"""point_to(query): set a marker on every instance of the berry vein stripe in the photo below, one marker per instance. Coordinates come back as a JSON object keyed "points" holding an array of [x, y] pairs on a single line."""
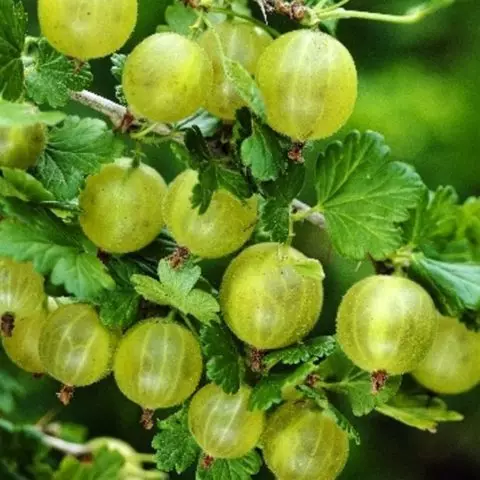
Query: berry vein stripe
{"points": [[116, 112]]}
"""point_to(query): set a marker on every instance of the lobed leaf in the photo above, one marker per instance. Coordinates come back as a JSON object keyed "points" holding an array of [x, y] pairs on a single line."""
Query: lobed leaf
{"points": [[230, 469], [20, 184]]}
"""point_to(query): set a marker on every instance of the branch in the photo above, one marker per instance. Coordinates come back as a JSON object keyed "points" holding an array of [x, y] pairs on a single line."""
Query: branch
{"points": [[116, 114]]}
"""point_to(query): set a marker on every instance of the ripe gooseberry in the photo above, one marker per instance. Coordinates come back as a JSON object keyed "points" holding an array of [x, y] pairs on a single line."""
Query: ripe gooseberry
{"points": [[122, 206], [386, 324], [158, 364], [300, 441], [267, 298], [87, 29], [222, 424], [22, 346], [167, 77], [222, 229], [241, 42], [75, 348], [453, 363], [20, 146], [309, 83]]}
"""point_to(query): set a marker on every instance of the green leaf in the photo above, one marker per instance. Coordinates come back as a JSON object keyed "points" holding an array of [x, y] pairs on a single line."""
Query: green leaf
{"points": [[54, 76], [22, 453], [175, 447], [364, 196], [106, 465], [35, 234], [245, 86], [206, 122], [20, 184], [179, 18], [340, 375], [76, 149], [311, 349], [330, 410], [262, 152], [224, 365], [419, 411], [468, 226], [118, 63], [13, 26], [22, 114], [454, 286], [276, 387], [10, 391], [242, 468], [176, 290]]}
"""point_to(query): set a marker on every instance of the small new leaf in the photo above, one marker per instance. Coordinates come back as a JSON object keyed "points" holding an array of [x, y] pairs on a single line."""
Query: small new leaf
{"points": [[20, 184], [175, 289], [179, 18], [13, 26], [276, 387], [118, 63], [34, 234], [224, 365], [364, 195], [54, 76], [454, 286], [106, 465], [242, 468], [419, 411], [175, 447], [340, 375], [322, 401], [311, 349]]}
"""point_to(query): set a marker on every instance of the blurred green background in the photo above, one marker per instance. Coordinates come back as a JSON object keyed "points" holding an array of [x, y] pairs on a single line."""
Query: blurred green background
{"points": [[419, 87]]}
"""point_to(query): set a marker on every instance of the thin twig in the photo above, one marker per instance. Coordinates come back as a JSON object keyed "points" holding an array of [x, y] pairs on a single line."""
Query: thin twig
{"points": [[116, 113], [69, 448]]}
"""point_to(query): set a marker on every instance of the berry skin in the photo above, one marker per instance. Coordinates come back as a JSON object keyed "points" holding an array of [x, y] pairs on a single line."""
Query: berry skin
{"points": [[243, 43], [87, 29], [222, 424], [309, 83], [21, 289], [222, 229], [75, 348], [267, 300], [122, 206], [301, 442], [22, 346], [158, 364], [386, 324], [21, 146], [167, 77], [452, 365]]}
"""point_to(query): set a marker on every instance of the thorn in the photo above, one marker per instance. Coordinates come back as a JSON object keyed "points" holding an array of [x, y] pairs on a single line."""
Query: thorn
{"points": [[146, 420], [7, 324], [65, 394]]}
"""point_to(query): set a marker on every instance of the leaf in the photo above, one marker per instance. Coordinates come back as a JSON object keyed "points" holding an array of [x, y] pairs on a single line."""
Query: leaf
{"points": [[230, 469], [106, 465], [176, 290], [175, 447], [331, 411], [262, 152], [76, 149], [179, 18], [118, 63], [224, 365], [311, 349], [206, 122], [13, 26], [340, 375], [245, 86], [419, 411], [364, 196], [20, 184], [54, 76], [10, 391], [35, 234], [274, 220], [454, 286], [22, 114], [22, 453], [273, 389]]}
